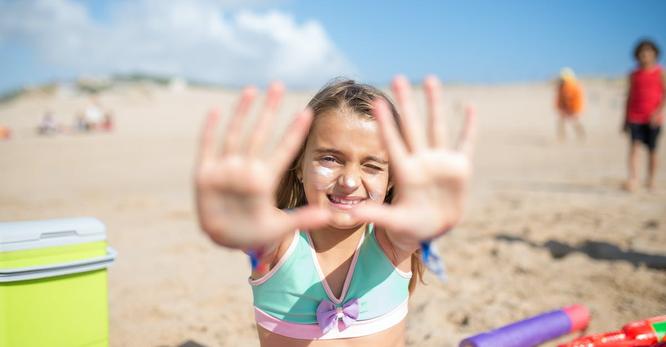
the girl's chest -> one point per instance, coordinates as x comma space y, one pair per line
335, 273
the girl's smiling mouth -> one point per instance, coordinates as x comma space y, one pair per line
344, 202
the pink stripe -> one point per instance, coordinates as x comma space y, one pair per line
277, 266
312, 331
350, 271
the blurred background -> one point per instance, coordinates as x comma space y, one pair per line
233, 43
101, 104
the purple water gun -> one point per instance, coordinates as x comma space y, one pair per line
535, 330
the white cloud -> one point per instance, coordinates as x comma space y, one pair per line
206, 40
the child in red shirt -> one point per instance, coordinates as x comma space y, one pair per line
643, 117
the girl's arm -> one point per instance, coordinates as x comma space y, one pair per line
657, 114
430, 176
235, 183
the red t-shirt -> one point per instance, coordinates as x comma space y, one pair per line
646, 93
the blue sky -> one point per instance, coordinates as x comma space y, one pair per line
307, 42
481, 41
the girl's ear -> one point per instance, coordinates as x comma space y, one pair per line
299, 174
388, 198
390, 180
389, 188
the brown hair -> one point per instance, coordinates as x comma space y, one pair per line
356, 98
646, 44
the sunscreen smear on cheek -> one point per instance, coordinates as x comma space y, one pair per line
324, 178
374, 196
375, 188
323, 171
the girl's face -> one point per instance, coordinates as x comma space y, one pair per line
647, 57
344, 165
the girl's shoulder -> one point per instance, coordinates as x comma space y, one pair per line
400, 258
272, 254
657, 68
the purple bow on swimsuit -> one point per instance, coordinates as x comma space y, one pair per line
328, 314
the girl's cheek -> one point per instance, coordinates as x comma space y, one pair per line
324, 177
376, 185
375, 196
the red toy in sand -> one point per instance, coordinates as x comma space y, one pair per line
650, 332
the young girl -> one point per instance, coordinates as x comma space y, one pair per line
643, 117
335, 214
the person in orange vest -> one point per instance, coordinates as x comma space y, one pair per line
5, 133
569, 103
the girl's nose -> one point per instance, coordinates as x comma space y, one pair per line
349, 181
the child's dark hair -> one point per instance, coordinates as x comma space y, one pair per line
646, 43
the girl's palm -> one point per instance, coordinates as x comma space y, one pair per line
235, 188
430, 178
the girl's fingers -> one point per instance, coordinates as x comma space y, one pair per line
410, 124
207, 137
259, 134
380, 215
308, 218
292, 141
390, 135
468, 135
436, 122
235, 126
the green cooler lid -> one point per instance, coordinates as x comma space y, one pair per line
54, 247
22, 235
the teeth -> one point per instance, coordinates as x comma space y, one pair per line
344, 201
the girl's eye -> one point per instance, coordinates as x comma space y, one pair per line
329, 160
374, 168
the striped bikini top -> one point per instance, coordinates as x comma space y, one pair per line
293, 299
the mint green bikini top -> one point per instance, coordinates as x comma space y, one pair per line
287, 298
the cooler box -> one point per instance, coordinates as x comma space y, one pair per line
53, 283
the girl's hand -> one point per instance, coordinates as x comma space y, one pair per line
430, 177
654, 119
235, 185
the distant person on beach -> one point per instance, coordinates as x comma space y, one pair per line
48, 125
107, 122
81, 125
569, 103
5, 133
644, 111
336, 216
95, 118
93, 113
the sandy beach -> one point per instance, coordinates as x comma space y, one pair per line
546, 226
